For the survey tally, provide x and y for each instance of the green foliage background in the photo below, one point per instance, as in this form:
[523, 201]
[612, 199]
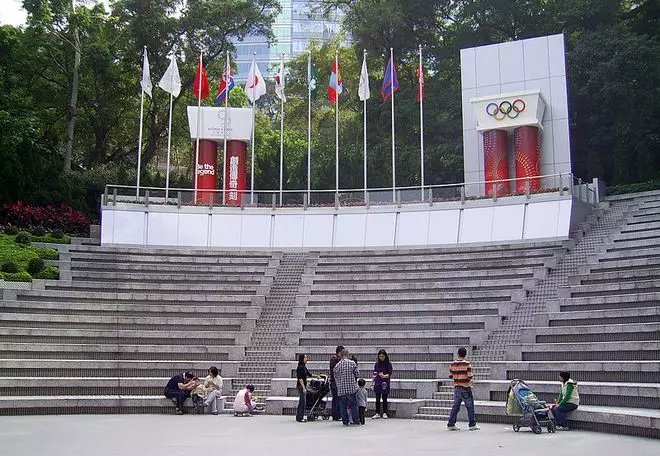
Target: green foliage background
[613, 62]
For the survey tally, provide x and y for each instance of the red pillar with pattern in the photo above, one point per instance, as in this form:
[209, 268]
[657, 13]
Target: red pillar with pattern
[527, 147]
[496, 161]
[206, 171]
[235, 172]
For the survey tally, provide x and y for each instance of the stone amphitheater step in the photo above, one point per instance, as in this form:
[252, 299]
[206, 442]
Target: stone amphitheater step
[128, 297]
[462, 286]
[172, 288]
[592, 333]
[630, 275]
[229, 276]
[590, 371]
[613, 302]
[429, 310]
[610, 289]
[429, 353]
[592, 351]
[638, 264]
[420, 277]
[599, 317]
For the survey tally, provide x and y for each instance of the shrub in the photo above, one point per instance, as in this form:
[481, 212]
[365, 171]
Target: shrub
[57, 234]
[35, 265]
[48, 273]
[10, 266]
[11, 230]
[47, 254]
[17, 277]
[39, 231]
[49, 217]
[23, 238]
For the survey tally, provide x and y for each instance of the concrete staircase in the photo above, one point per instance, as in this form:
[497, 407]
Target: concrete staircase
[263, 351]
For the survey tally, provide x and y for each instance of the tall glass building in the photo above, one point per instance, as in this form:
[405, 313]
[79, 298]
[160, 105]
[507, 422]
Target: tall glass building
[299, 22]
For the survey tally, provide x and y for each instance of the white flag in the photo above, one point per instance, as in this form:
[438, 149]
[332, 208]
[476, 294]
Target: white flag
[279, 83]
[171, 81]
[146, 76]
[363, 90]
[255, 86]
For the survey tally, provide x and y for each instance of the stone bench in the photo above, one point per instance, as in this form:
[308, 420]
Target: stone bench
[594, 371]
[598, 317]
[397, 408]
[80, 404]
[370, 310]
[366, 353]
[423, 276]
[595, 276]
[596, 303]
[617, 420]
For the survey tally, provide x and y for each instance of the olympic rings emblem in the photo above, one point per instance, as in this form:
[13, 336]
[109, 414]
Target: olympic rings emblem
[506, 109]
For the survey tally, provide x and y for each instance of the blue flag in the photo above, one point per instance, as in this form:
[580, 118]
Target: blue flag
[391, 80]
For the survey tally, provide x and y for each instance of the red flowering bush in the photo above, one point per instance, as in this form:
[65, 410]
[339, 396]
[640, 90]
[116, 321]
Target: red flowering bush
[50, 217]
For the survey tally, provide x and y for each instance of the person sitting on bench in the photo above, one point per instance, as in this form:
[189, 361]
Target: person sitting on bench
[178, 389]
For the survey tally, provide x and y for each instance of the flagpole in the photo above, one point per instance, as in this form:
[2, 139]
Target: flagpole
[364, 57]
[281, 125]
[393, 147]
[224, 155]
[169, 139]
[139, 157]
[309, 128]
[337, 125]
[199, 114]
[254, 83]
[421, 120]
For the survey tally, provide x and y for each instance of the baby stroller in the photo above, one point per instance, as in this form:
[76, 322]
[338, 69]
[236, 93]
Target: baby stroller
[317, 390]
[533, 413]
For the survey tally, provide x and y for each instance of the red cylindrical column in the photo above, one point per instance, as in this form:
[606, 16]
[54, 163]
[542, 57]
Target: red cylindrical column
[496, 161]
[235, 172]
[528, 157]
[206, 170]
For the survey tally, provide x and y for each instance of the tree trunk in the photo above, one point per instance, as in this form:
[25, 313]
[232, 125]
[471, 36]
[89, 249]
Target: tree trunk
[71, 112]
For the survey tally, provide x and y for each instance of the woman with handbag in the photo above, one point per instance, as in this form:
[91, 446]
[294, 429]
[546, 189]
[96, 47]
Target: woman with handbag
[381, 383]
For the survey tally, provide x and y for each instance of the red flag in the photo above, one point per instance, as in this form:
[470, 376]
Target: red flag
[201, 74]
[420, 83]
[336, 86]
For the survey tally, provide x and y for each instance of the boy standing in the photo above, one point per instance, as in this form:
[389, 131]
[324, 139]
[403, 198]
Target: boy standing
[461, 372]
[361, 397]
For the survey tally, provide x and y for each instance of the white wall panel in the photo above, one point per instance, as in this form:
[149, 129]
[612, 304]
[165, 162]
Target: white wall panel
[349, 230]
[468, 68]
[508, 222]
[226, 230]
[541, 220]
[443, 227]
[318, 230]
[255, 230]
[559, 101]
[564, 218]
[107, 226]
[511, 62]
[488, 64]
[380, 229]
[556, 55]
[163, 228]
[476, 224]
[561, 141]
[194, 230]
[129, 227]
[469, 119]
[288, 230]
[536, 58]
[413, 228]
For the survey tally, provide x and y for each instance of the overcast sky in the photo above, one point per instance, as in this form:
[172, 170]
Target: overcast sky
[12, 13]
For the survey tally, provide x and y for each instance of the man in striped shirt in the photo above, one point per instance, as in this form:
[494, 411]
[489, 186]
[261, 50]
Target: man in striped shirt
[461, 372]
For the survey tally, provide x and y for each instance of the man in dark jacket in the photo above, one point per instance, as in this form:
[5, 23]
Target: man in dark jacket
[178, 389]
[336, 415]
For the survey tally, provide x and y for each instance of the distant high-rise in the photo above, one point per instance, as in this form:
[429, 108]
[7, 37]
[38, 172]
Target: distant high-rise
[299, 22]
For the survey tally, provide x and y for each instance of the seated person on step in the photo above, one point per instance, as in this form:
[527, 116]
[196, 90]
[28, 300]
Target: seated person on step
[213, 389]
[178, 389]
[243, 403]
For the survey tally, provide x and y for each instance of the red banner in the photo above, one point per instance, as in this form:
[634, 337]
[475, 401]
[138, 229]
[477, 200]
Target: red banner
[235, 172]
[496, 161]
[528, 157]
[206, 171]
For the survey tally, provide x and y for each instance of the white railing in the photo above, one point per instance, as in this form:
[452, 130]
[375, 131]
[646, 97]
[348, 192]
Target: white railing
[552, 183]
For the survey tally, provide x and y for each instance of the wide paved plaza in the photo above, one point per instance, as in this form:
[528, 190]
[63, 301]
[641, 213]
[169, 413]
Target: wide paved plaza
[165, 435]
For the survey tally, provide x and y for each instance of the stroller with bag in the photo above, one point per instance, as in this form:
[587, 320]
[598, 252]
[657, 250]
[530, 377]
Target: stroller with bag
[317, 390]
[522, 402]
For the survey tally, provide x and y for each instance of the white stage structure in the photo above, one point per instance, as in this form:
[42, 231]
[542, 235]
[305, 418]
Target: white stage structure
[514, 95]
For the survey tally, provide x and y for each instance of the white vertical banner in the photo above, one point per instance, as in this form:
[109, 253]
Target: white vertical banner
[364, 94]
[171, 83]
[255, 87]
[145, 83]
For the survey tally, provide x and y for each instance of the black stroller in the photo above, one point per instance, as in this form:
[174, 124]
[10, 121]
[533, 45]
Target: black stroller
[533, 413]
[317, 390]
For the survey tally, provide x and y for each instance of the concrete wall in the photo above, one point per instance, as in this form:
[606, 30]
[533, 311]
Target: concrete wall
[514, 219]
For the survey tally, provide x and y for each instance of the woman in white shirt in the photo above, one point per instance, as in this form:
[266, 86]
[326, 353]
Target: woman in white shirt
[213, 387]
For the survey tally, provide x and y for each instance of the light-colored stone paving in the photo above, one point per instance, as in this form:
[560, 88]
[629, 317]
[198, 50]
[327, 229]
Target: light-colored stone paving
[164, 435]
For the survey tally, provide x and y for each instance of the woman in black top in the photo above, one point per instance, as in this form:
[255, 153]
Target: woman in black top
[301, 383]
